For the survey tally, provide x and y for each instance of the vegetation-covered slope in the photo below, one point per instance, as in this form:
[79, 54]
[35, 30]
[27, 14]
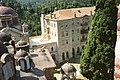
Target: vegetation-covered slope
[30, 11]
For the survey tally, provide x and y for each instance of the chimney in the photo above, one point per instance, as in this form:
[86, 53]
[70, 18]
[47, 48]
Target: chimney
[75, 15]
[51, 15]
[42, 24]
[54, 16]
[91, 13]
[55, 9]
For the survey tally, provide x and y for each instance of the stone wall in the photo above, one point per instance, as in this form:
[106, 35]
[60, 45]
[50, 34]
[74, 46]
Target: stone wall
[117, 59]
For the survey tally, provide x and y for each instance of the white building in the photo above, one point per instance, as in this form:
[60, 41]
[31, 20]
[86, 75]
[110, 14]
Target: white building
[67, 29]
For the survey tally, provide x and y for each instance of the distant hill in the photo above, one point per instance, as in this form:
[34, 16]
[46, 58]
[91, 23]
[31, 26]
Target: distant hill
[32, 1]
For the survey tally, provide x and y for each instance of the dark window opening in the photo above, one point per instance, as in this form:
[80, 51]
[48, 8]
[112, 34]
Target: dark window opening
[51, 48]
[53, 56]
[67, 54]
[73, 52]
[63, 56]
[78, 50]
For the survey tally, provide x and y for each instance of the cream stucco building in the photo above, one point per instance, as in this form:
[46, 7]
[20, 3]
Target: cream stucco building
[64, 32]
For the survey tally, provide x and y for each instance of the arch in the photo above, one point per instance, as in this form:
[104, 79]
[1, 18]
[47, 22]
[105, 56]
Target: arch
[28, 65]
[5, 57]
[67, 54]
[52, 49]
[10, 49]
[54, 57]
[63, 56]
[78, 50]
[73, 51]
[82, 47]
[22, 64]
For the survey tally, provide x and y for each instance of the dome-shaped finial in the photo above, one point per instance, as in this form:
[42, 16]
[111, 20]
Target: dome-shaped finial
[1, 0]
[2, 3]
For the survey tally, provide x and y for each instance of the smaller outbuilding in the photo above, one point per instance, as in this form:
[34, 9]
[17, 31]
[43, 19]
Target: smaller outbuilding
[22, 45]
[68, 72]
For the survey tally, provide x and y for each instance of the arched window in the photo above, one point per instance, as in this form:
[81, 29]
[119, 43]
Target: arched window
[63, 56]
[66, 41]
[73, 51]
[67, 54]
[78, 50]
[28, 65]
[22, 64]
[48, 30]
[83, 37]
[66, 33]
[82, 47]
[54, 57]
[51, 48]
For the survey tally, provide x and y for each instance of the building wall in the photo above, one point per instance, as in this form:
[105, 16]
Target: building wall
[7, 70]
[16, 36]
[117, 59]
[69, 34]
[49, 73]
[1, 72]
[64, 40]
[52, 47]
[85, 26]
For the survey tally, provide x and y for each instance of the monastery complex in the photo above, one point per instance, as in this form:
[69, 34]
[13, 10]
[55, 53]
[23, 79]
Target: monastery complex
[64, 33]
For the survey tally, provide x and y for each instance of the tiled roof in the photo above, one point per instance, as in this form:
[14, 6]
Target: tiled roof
[70, 13]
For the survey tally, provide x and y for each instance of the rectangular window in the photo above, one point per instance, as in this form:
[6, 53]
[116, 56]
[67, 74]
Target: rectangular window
[55, 34]
[72, 31]
[72, 39]
[72, 23]
[66, 41]
[66, 33]
[62, 34]
[62, 42]
[77, 30]
[54, 25]
[66, 25]
[78, 38]
[51, 24]
[52, 33]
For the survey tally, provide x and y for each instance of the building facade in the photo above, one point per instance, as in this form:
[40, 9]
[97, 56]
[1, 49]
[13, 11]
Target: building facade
[68, 28]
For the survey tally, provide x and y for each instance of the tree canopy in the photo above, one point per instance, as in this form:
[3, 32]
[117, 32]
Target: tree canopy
[29, 10]
[97, 60]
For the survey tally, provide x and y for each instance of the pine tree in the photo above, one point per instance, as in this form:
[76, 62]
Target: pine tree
[97, 60]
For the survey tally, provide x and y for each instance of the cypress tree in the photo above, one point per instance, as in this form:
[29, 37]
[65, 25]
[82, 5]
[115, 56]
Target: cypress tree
[97, 59]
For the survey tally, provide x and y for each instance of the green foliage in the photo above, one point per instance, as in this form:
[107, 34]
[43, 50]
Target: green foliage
[29, 10]
[28, 14]
[97, 60]
[29, 1]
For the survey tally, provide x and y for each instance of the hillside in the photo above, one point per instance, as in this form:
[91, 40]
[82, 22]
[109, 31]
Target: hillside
[32, 1]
